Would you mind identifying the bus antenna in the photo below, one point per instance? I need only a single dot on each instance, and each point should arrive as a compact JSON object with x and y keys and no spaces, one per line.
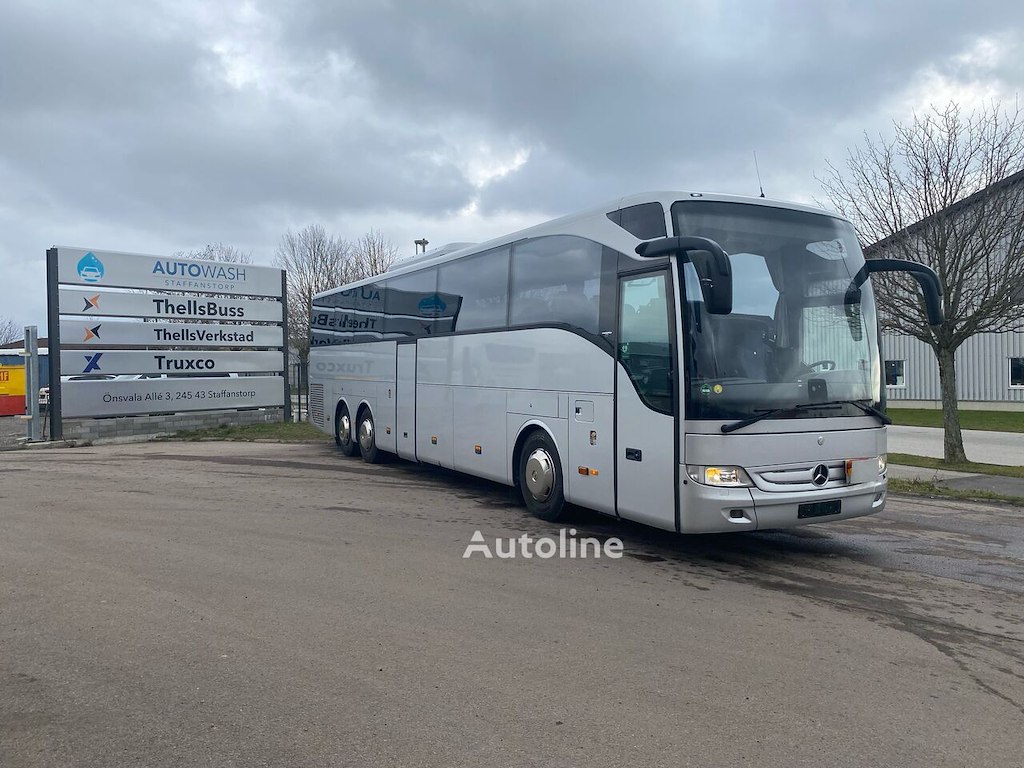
{"x":759,"y":184}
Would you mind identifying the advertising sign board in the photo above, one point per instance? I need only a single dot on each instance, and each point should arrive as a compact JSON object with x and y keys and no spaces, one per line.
{"x":104,"y":333}
{"x":79,"y":266}
{"x":118,"y":304}
{"x":170,"y":395}
{"x":12,"y":390}
{"x":76,"y":362}
{"x":129,"y":332}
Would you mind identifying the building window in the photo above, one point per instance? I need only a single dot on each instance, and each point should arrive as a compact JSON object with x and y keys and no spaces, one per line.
{"x":894,"y":374}
{"x":1017,"y":298}
{"x":1017,"y":371}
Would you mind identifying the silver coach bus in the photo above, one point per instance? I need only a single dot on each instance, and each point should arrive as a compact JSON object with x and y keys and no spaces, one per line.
{"x":694,"y":362}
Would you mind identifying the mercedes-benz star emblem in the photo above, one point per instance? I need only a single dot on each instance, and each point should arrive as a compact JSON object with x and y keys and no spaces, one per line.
{"x":819,"y":475}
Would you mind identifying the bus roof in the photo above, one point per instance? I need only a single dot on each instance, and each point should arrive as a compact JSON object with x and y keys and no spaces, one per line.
{"x":592,"y":223}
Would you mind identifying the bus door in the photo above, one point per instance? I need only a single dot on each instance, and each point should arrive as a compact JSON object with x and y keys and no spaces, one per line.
{"x":405,"y":401}
{"x":645,"y":400}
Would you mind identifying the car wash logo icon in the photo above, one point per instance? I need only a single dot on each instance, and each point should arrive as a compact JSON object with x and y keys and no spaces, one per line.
{"x":432,"y":306}
{"x":90,"y":268}
{"x":92,"y":363}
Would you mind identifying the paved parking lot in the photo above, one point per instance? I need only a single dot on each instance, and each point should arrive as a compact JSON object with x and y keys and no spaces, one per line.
{"x":258,"y":604}
{"x":11,"y":428}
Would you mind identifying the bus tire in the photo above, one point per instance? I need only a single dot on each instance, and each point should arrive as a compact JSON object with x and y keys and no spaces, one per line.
{"x":343,"y":431}
{"x":540,"y":477}
{"x":367,"y":436}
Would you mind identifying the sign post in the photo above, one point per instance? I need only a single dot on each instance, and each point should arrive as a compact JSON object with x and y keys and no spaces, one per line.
{"x":32,"y":383}
{"x":284,"y":327}
{"x":53,"y":334}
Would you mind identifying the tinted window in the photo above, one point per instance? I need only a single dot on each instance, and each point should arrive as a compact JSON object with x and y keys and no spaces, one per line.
{"x":354,"y":314}
{"x":557,"y":280}
{"x":365,"y":298}
{"x":415,"y":308}
{"x":480,"y":286}
{"x":645,"y":221}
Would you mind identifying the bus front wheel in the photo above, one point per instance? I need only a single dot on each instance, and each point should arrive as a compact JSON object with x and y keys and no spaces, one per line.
{"x":540,"y":477}
{"x":343,"y":432}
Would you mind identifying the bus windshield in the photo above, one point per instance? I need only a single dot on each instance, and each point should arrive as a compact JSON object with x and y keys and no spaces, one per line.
{"x":800,"y":331}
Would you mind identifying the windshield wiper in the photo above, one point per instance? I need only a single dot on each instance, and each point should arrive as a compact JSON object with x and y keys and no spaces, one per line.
{"x":870,"y":410}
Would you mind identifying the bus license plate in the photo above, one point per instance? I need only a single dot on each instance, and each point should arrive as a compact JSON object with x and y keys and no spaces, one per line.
{"x":818,"y":509}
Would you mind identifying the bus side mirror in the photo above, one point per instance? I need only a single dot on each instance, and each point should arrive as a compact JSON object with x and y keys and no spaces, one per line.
{"x":711,"y":263}
{"x":715,"y":282}
{"x":931,"y":288}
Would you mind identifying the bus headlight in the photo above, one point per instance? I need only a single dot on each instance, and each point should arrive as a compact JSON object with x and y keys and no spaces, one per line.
{"x":727,"y":477}
{"x":883,"y":463}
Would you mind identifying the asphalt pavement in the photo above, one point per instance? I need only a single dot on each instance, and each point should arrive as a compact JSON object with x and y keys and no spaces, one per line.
{"x":981,"y":446}
{"x":234,"y":604}
{"x":12,"y":428}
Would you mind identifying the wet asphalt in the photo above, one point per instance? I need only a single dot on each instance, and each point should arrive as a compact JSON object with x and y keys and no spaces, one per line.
{"x":259,"y":604}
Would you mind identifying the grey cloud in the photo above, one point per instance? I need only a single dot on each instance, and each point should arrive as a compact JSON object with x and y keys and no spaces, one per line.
{"x":116,"y":119}
{"x":651,"y":91}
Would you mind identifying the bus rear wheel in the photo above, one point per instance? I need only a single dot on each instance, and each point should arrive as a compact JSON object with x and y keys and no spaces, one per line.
{"x":368,"y":439}
{"x":540,"y":477}
{"x":343,"y":432}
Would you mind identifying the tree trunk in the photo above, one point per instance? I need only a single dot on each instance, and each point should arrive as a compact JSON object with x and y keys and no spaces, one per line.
{"x":953,"y":440}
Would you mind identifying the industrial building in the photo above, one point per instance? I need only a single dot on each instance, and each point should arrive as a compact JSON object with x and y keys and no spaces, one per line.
{"x":989,"y":366}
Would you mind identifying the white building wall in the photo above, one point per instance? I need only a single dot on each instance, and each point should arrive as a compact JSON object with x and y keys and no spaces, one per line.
{"x":983,"y":368}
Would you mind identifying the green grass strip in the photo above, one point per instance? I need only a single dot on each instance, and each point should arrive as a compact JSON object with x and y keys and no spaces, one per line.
{"x":994,"y":421}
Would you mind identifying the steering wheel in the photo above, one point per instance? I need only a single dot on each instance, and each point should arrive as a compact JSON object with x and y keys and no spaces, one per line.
{"x":828,"y":365}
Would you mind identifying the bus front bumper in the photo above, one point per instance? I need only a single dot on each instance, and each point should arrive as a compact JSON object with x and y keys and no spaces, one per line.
{"x":711,"y":509}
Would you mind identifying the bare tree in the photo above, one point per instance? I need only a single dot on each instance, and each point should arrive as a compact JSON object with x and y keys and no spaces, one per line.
{"x":315,"y":262}
{"x":373,"y":254}
{"x":10,"y":331}
{"x":227,"y":254}
{"x":946,"y":191}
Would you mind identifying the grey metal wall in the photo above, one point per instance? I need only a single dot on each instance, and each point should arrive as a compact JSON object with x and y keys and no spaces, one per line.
{"x":983,"y":368}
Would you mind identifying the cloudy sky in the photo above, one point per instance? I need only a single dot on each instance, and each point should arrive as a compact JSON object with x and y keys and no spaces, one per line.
{"x":156,"y":127}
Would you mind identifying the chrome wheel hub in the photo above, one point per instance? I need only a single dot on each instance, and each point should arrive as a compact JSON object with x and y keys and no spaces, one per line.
{"x":366,"y":434}
{"x":345,"y":429}
{"x":540,"y":474}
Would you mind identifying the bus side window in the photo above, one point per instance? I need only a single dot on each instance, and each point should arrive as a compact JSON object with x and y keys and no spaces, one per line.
{"x":480,"y":285}
{"x":557,"y":280}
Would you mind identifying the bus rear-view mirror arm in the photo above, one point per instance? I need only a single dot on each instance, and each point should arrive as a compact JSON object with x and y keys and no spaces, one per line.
{"x":709,"y":259}
{"x":931,"y":288}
